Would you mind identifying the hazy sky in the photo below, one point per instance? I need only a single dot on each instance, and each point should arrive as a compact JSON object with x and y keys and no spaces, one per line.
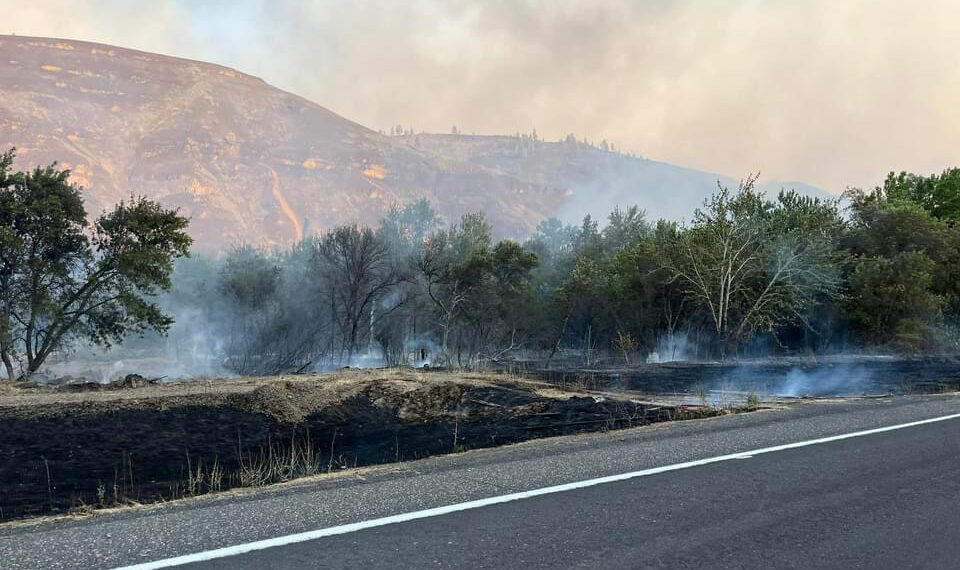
{"x":830,"y":92}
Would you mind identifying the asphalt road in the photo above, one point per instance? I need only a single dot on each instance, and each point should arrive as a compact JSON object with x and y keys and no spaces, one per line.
{"x":884,"y":500}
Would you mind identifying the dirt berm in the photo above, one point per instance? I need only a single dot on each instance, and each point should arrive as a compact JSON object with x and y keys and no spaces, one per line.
{"x":64,"y":450}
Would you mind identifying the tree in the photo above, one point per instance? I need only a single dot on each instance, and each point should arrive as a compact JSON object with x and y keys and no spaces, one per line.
{"x":589,"y":241}
{"x":452,"y":266}
{"x":585,"y":302}
{"x":938,"y":194}
{"x":894,"y":303}
{"x":751,"y":264}
{"x":626,"y":344}
{"x":636,"y":292}
{"x":905,"y":268}
{"x":255,"y":329}
{"x":554,"y":238}
{"x":625,"y":228}
{"x":249,"y":278}
{"x":406,"y":228}
{"x":358,"y":271}
{"x":503,"y":307}
{"x":62,"y":278}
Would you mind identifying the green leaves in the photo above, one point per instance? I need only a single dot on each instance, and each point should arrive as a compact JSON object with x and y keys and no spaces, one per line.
{"x":140,"y":240}
{"x":892,"y":301}
{"x":754,"y":264}
{"x":904,"y":268}
{"x":61,"y":278}
{"x":938,"y":194}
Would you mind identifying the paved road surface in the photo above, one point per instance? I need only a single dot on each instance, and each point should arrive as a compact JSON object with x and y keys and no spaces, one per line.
{"x":883,"y":500}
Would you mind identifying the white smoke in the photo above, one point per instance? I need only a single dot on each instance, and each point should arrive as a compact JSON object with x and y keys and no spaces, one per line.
{"x":845,"y":380}
{"x":671,"y":348}
{"x":822,"y":381}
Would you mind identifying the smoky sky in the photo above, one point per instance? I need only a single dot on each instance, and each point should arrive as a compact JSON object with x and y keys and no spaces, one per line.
{"x":832,"y":93}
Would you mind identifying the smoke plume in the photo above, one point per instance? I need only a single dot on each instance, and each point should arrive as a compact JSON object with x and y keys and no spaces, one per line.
{"x":831,"y":93}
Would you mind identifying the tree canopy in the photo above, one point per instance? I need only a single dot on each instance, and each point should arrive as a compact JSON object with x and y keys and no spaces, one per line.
{"x":747,"y":274}
{"x":62,"y":277}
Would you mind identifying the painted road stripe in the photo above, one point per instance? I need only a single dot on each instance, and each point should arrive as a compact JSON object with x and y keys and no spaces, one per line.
{"x":435,"y":512}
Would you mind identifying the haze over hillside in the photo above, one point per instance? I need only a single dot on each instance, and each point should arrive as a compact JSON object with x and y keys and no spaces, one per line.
{"x":251,"y":163}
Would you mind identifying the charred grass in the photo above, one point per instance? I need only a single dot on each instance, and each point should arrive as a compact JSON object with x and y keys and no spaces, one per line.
{"x":77,"y":452}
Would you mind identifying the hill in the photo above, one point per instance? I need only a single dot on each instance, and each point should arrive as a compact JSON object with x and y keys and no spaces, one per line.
{"x":252,"y":163}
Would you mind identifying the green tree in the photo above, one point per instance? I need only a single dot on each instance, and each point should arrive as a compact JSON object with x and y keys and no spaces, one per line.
{"x":406,"y":228}
{"x":510,"y":271}
{"x":554,"y":238}
{"x":905,"y":269}
{"x":62,"y":278}
{"x":250,"y":308}
{"x":451,"y":266}
{"x":588,"y":240}
{"x":249,"y":278}
{"x":938,"y":194}
{"x":751,"y":264}
{"x":625,"y":228}
{"x":892,"y":301}
{"x":586,"y":303}
{"x":636,"y":288}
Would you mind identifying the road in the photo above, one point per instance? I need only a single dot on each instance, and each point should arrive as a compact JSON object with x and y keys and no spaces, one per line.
{"x":718,"y":493}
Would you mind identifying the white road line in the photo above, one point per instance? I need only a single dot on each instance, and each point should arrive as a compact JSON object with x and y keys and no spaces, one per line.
{"x":354,"y":527}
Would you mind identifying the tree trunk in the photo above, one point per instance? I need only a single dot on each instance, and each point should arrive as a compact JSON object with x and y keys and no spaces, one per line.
{"x":446,"y":337}
{"x":8,"y":365}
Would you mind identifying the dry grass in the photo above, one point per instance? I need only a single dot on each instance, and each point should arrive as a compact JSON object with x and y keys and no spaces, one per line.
{"x":275,"y":464}
{"x":288,"y":398}
{"x":333,"y":382}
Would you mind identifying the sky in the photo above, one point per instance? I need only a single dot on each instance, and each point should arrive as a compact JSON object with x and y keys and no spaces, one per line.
{"x":834,"y":93}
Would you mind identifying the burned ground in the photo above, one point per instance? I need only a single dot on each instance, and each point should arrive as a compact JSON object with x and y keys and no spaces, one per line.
{"x":794,"y":377}
{"x":68,"y":450}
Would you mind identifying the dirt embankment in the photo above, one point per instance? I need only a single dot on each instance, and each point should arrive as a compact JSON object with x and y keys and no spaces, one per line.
{"x":66,"y":450}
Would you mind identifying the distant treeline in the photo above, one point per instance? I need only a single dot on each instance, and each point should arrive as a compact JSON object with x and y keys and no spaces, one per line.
{"x":746,"y":275}
{"x":525,"y":141}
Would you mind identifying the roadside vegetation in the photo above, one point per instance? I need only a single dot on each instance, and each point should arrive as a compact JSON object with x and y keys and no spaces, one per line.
{"x":748,"y":274}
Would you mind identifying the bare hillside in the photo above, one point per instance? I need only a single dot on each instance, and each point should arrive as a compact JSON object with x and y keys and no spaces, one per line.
{"x":252,"y":163}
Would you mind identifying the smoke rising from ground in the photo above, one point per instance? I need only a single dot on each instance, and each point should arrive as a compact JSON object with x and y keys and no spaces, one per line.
{"x":845,"y":379}
{"x":730,"y":86}
{"x":840,"y":381}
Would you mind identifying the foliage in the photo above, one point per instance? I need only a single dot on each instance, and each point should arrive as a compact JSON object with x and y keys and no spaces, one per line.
{"x":937,"y":194}
{"x":905,"y":263}
{"x":751,"y":264}
{"x":748,"y":274}
{"x":62,"y":278}
{"x":894,"y":303}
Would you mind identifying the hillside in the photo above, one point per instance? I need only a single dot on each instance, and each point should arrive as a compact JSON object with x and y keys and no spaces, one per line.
{"x":595,"y":181}
{"x":252,"y":163}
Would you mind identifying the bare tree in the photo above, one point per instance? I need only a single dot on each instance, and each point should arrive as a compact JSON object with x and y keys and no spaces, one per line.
{"x":359,"y":271}
{"x":446,"y":287}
